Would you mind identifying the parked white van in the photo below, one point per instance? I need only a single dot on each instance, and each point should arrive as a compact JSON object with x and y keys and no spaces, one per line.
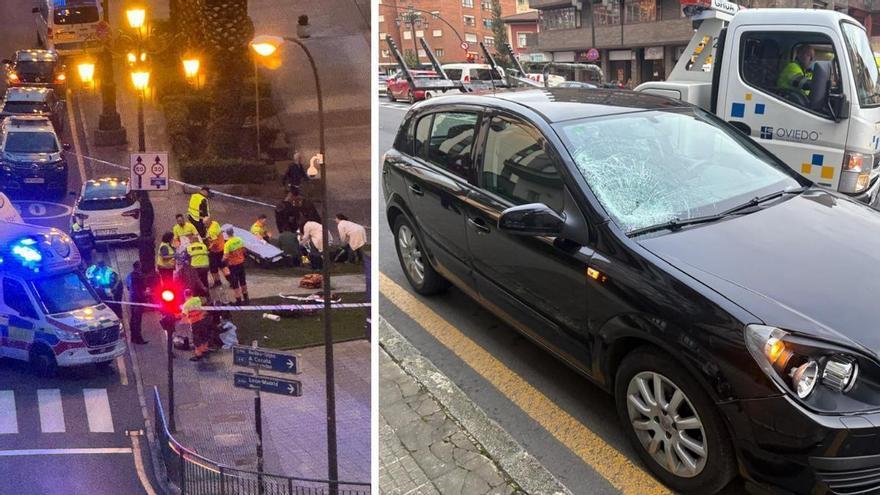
{"x":67,"y":25}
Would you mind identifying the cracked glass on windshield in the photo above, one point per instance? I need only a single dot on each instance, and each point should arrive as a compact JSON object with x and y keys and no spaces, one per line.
{"x":651,"y":167}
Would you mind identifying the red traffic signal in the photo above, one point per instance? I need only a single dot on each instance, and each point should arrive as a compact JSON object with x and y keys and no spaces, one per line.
{"x":170,"y":299}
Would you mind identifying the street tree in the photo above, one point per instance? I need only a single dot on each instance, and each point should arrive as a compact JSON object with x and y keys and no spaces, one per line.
{"x":228,"y":29}
{"x":499,"y":32}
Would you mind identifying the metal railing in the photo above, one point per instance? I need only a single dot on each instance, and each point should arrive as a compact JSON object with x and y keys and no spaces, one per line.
{"x":197,"y":475}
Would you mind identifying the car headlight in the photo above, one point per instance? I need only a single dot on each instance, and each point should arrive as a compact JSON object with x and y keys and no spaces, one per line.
{"x":823,"y":376}
{"x":67,"y":335}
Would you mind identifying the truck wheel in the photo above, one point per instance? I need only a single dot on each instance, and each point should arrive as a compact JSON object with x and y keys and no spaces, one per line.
{"x":673,"y":424}
{"x":418,"y":270}
{"x":43,"y":362}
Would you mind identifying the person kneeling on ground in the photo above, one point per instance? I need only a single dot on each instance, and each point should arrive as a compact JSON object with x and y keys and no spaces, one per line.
{"x":312,"y":242}
{"x":201,"y":324}
{"x":353,"y":237}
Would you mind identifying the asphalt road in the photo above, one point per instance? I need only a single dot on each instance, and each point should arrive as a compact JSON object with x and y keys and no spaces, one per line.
{"x":578,"y":467}
{"x":67,"y":434}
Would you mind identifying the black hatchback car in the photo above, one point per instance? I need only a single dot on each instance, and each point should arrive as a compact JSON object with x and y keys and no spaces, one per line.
{"x":727,"y":304}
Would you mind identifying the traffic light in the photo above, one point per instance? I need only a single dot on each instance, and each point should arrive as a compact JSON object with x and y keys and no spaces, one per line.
{"x":170,"y":299}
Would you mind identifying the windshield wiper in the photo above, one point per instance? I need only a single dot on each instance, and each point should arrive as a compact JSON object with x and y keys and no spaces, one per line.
{"x":676,"y":224}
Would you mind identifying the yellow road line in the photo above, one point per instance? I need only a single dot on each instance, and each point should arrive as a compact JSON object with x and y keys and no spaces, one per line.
{"x":612,"y":465}
{"x":139,"y":465}
{"x":73,"y":132}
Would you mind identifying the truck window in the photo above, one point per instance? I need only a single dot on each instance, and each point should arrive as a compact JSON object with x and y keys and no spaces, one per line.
{"x":864,"y":65}
{"x":63,"y":293}
{"x":781,"y":64}
{"x":16,"y":298}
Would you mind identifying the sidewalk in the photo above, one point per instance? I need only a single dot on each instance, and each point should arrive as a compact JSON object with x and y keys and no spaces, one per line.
{"x":433,"y":439}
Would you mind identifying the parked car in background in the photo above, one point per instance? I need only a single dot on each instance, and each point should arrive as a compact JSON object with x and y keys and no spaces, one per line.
{"x":36,"y":68}
{"x":110,"y":209}
{"x":67,"y":26}
{"x":31,"y":156}
{"x":398,"y":87}
{"x":383,"y":85}
{"x":668,"y":258}
{"x":474,"y":76}
{"x":576,"y":84}
{"x":33,"y":101}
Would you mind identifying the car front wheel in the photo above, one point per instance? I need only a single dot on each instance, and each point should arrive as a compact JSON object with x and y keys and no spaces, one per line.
{"x":419,"y":272}
{"x":673,"y":424}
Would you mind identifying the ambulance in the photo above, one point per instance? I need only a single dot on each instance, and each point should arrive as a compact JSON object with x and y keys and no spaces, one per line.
{"x":49,"y":314}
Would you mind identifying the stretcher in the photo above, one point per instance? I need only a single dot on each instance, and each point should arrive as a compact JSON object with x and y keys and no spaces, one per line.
{"x":257,"y":249}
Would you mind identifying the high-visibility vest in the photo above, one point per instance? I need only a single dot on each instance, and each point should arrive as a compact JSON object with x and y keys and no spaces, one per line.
{"x":793,"y":78}
{"x":194,"y":202}
{"x":232,"y":245}
{"x":75,"y":227}
{"x":165,"y":251}
{"x":215,"y":237}
{"x":198,"y":254}
{"x":183,"y":231}
{"x":192,"y":308}
{"x":258,"y":230}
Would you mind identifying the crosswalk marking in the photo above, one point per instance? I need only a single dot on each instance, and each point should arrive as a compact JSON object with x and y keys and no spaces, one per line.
{"x":28,"y":452}
{"x":8,"y":416}
{"x":51,"y":412}
{"x":98,"y":410}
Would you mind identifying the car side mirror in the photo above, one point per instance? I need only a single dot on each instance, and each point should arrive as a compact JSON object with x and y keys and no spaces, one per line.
{"x":534,"y":219}
{"x":838,"y":106}
{"x":66,"y":146}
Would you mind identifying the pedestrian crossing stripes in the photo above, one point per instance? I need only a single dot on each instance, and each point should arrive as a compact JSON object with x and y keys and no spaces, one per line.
{"x":50,"y":403}
{"x":51,"y":412}
{"x":8,"y":418}
{"x":396,"y":106}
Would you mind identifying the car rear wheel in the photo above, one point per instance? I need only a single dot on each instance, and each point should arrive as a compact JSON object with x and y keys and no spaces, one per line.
{"x":410,"y":97}
{"x":418,"y":270}
{"x":673,"y":424}
{"x":43,"y":362}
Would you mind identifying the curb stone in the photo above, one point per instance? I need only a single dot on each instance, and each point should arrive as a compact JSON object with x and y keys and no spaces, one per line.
{"x":514,"y":461}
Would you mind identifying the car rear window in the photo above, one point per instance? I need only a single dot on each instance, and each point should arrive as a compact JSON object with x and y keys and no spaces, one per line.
{"x":25,"y":107}
{"x":38,"y":69}
{"x":83,"y":14}
{"x":106,"y":195}
{"x":31,"y":142}
{"x":106,"y":204}
{"x":453,"y":74}
{"x":485,"y":75}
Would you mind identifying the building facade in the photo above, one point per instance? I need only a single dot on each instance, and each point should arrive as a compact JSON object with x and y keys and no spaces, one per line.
{"x":521,"y":31}
{"x":452,"y":28}
{"x":651,"y":38}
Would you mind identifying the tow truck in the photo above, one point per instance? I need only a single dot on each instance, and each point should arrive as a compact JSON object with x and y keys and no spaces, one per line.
{"x":49,"y":314}
{"x":829,"y":131}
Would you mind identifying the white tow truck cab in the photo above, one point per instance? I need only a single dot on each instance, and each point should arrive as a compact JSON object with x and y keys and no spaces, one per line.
{"x":49,"y":314}
{"x":828,"y":131}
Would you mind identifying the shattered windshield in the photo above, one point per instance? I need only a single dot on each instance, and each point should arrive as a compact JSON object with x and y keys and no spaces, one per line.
{"x":651,"y":167}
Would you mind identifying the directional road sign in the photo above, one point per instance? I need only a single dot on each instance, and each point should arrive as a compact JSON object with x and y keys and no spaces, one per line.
{"x":268,"y":384}
{"x":149,"y":171}
{"x":264,"y":359}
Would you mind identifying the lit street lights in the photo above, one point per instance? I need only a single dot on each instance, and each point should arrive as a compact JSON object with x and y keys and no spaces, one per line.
{"x":263,"y":48}
{"x":140,"y":78}
{"x":266,"y":46}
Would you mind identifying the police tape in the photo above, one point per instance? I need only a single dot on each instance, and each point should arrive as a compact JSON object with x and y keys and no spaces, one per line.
{"x":241,"y":308}
{"x":181,"y":183}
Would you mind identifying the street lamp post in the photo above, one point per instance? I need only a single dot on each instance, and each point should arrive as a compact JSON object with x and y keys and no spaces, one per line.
{"x":413,"y":18}
{"x":140,"y":78}
{"x":265,"y":46}
{"x":110,"y":131}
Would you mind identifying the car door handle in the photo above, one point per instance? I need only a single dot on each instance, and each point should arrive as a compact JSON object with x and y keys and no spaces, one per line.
{"x":416,"y":189}
{"x":479,"y":225}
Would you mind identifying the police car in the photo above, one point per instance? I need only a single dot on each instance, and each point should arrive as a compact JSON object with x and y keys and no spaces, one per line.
{"x":49,"y":315}
{"x":33,"y":101}
{"x":110,"y":209}
{"x":31,"y":155}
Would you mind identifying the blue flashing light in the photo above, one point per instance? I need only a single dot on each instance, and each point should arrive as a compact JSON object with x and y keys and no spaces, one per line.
{"x":27,"y":254}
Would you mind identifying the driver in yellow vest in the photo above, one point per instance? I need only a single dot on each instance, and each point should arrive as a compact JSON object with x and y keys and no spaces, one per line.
{"x":794,"y":76}
{"x":198,"y":209}
{"x":198,"y":258}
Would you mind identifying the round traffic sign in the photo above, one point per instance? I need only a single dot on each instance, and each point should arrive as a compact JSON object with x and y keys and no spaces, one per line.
{"x":140,"y":168}
{"x":465,"y":45}
{"x":158,"y":169}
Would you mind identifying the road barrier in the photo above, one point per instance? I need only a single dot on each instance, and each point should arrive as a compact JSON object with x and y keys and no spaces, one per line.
{"x":197,"y":475}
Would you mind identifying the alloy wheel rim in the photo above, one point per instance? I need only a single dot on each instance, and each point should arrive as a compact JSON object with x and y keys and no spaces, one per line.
{"x":666,"y":424}
{"x":411,"y":254}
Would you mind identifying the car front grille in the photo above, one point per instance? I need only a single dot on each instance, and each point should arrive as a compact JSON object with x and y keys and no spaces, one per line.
{"x":101,"y":337}
{"x":856,"y":481}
